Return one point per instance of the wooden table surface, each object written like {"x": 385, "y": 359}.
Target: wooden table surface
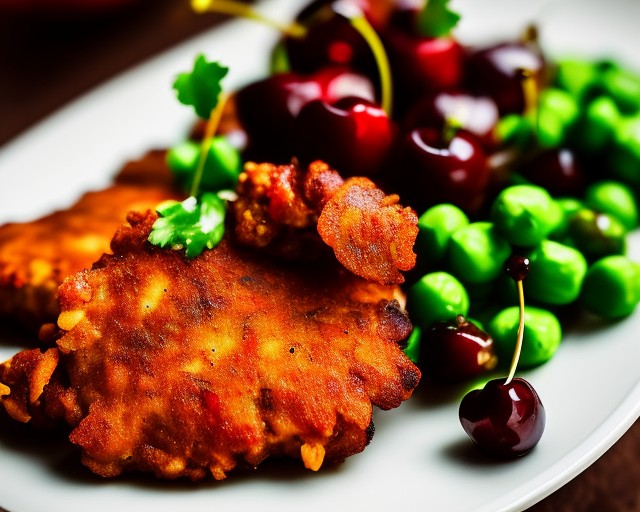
{"x": 45, "y": 63}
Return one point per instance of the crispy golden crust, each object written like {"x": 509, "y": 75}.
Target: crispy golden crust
{"x": 293, "y": 212}
{"x": 190, "y": 367}
{"x": 35, "y": 257}
{"x": 371, "y": 234}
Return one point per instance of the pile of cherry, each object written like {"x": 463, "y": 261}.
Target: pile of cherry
{"x": 509, "y": 159}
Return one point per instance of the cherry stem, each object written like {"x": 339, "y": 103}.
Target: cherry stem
{"x": 530, "y": 92}
{"x": 518, "y": 349}
{"x": 205, "y": 145}
{"x": 235, "y": 8}
{"x": 360, "y": 23}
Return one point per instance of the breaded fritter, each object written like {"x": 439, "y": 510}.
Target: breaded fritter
{"x": 185, "y": 368}
{"x": 35, "y": 257}
{"x": 297, "y": 213}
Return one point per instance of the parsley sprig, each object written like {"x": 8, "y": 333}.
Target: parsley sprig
{"x": 197, "y": 223}
{"x": 201, "y": 88}
{"x": 194, "y": 224}
{"x": 436, "y": 19}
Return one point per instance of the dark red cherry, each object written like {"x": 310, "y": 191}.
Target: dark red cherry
{"x": 352, "y": 135}
{"x": 456, "y": 350}
{"x": 504, "y": 420}
{"x": 267, "y": 108}
{"x": 419, "y": 64}
{"x": 518, "y": 267}
{"x": 431, "y": 169}
{"x": 476, "y": 114}
{"x": 557, "y": 170}
{"x": 330, "y": 40}
{"x": 497, "y": 72}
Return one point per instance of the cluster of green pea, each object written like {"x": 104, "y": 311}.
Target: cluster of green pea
{"x": 592, "y": 106}
{"x": 576, "y": 246}
{"x": 570, "y": 265}
{"x": 607, "y": 97}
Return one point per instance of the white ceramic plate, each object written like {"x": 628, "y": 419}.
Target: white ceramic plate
{"x": 419, "y": 456}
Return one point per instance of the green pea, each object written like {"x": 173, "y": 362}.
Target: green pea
{"x": 614, "y": 198}
{"x": 597, "y": 234}
{"x": 550, "y": 129}
{"x": 436, "y": 226}
{"x": 437, "y": 296}
{"x": 556, "y": 273}
{"x": 412, "y": 350}
{"x": 541, "y": 338}
{"x": 599, "y": 124}
{"x": 477, "y": 253}
{"x": 514, "y": 130}
{"x": 222, "y": 166}
{"x": 577, "y": 77}
{"x": 525, "y": 214}
{"x": 623, "y": 86}
{"x": 612, "y": 287}
{"x": 183, "y": 158}
{"x": 557, "y": 113}
{"x": 625, "y": 154}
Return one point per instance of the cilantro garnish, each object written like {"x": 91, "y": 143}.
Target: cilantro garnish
{"x": 194, "y": 224}
{"x": 197, "y": 223}
{"x": 201, "y": 87}
{"x": 436, "y": 19}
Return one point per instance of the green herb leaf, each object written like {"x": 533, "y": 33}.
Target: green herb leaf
{"x": 201, "y": 87}
{"x": 436, "y": 19}
{"x": 194, "y": 224}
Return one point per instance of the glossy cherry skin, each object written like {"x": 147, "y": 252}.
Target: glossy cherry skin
{"x": 330, "y": 41}
{"x": 476, "y": 114}
{"x": 353, "y": 135}
{"x": 431, "y": 170}
{"x": 496, "y": 71}
{"x": 420, "y": 64}
{"x": 504, "y": 420}
{"x": 456, "y": 350}
{"x": 266, "y": 109}
{"x": 557, "y": 170}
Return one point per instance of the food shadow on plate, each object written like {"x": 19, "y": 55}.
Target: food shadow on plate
{"x": 13, "y": 334}
{"x": 462, "y": 451}
{"x": 53, "y": 451}
{"x": 431, "y": 394}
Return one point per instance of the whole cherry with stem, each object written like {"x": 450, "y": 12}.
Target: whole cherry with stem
{"x": 506, "y": 418}
{"x": 357, "y": 135}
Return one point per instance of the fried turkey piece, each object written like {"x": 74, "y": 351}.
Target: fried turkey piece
{"x": 296, "y": 213}
{"x": 35, "y": 257}
{"x": 185, "y": 368}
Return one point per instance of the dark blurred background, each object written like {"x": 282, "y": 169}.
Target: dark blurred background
{"x": 51, "y": 53}
{"x": 53, "y": 50}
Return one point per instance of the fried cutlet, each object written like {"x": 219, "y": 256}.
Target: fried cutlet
{"x": 186, "y": 368}
{"x": 35, "y": 257}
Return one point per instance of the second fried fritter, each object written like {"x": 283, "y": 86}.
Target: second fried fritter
{"x": 35, "y": 257}
{"x": 298, "y": 213}
{"x": 192, "y": 367}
